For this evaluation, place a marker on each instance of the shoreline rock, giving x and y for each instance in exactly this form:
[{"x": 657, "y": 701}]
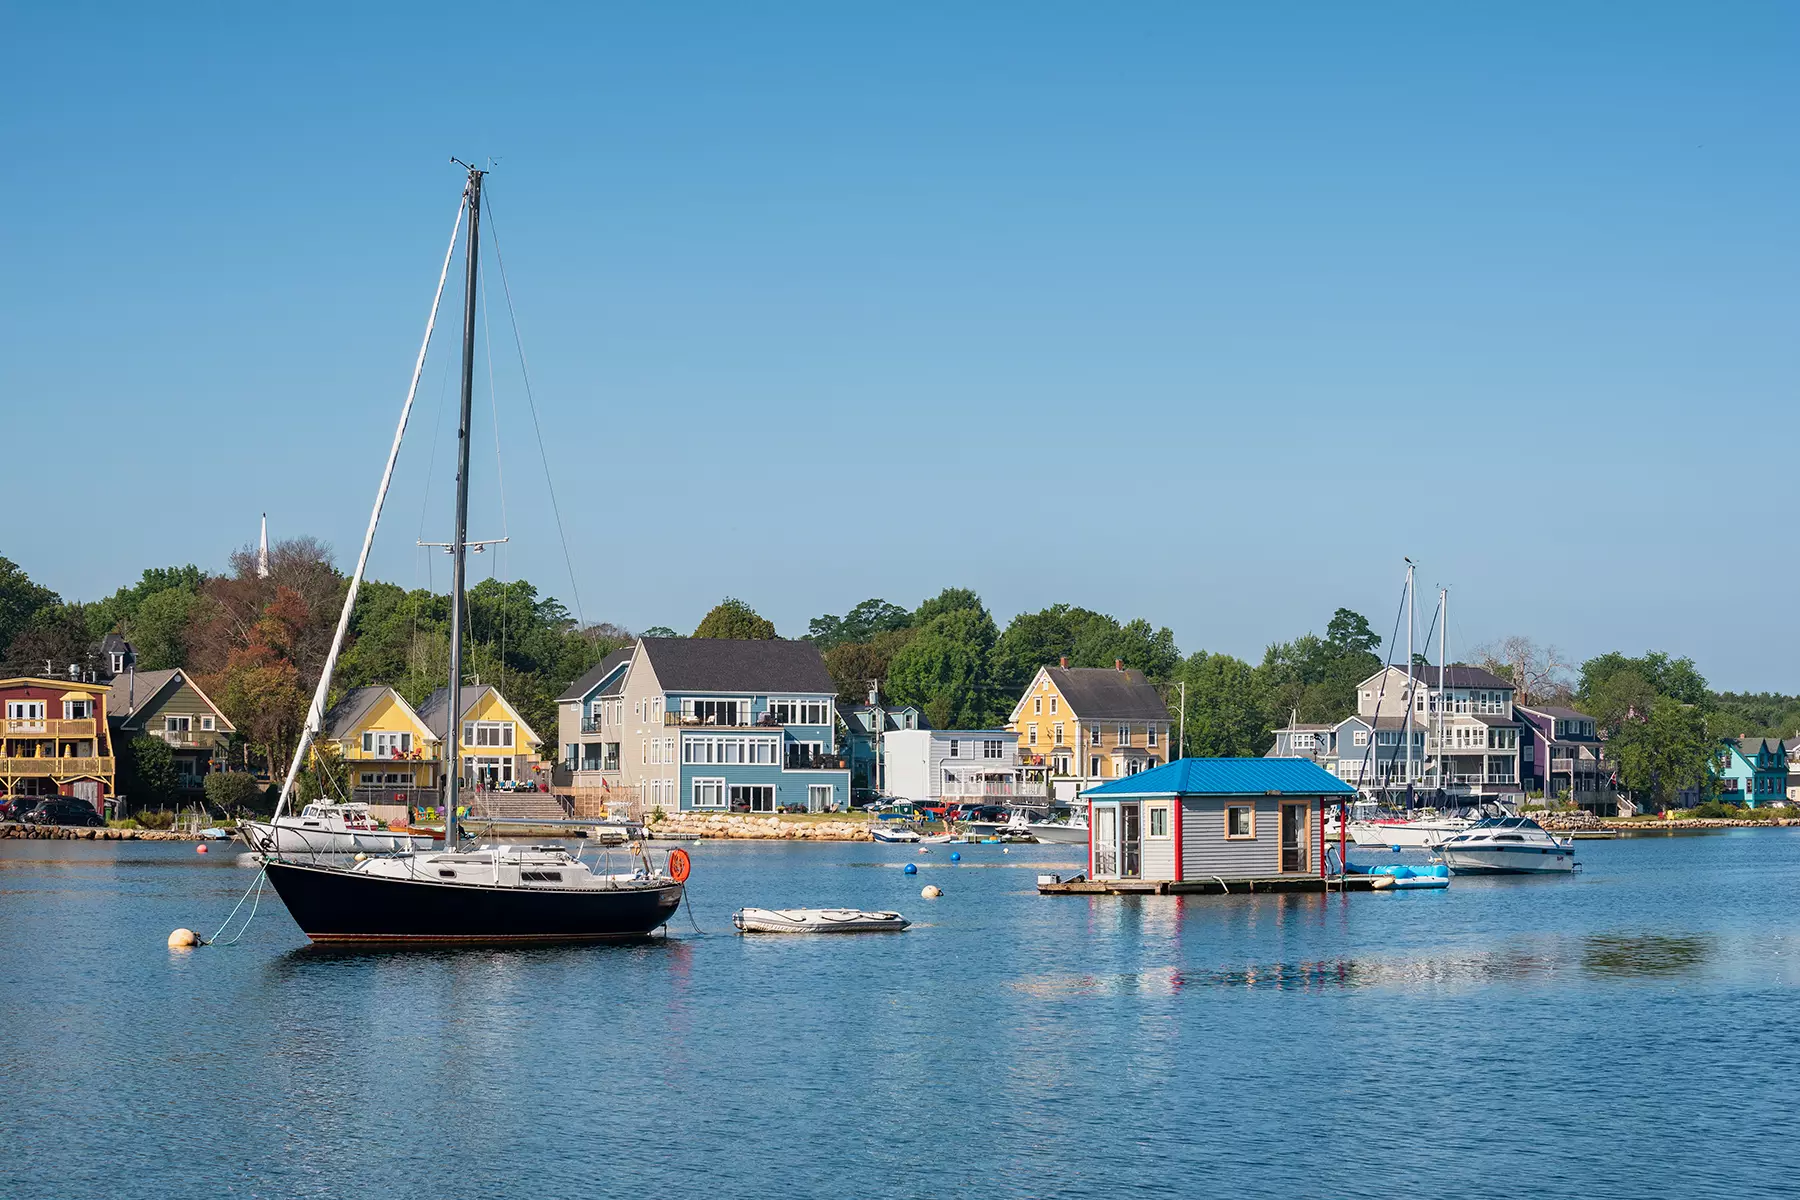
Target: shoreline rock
[
  {"x": 73, "y": 833},
  {"x": 738, "y": 826}
]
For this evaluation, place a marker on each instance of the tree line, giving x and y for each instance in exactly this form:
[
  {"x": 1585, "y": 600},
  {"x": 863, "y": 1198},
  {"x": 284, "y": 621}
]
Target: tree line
[{"x": 257, "y": 643}]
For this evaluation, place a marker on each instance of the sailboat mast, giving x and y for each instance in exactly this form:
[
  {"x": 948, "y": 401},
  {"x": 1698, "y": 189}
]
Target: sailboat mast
[
  {"x": 1406, "y": 720},
  {"x": 459, "y": 543},
  {"x": 1443, "y": 689}
]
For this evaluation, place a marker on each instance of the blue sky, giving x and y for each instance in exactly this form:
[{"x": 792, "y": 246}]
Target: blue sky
[{"x": 1202, "y": 313}]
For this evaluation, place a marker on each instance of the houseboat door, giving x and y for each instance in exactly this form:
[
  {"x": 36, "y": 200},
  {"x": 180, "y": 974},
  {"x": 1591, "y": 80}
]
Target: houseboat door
[
  {"x": 1294, "y": 840},
  {"x": 1131, "y": 841},
  {"x": 1106, "y": 841}
]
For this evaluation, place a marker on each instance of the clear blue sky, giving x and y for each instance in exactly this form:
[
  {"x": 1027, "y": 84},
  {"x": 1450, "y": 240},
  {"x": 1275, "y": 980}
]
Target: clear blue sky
[{"x": 1207, "y": 314}]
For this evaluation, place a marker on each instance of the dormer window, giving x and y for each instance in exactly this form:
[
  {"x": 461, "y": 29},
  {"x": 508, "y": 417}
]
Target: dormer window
[{"x": 118, "y": 662}]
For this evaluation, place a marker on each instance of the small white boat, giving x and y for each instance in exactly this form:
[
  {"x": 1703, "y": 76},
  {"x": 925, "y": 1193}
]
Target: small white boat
[
  {"x": 817, "y": 920},
  {"x": 1421, "y": 834},
  {"x": 892, "y": 833},
  {"x": 1070, "y": 832},
  {"x": 323, "y": 828},
  {"x": 1508, "y": 846}
]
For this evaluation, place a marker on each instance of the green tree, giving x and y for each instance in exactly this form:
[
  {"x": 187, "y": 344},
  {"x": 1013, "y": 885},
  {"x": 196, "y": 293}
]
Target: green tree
[
  {"x": 1349, "y": 633},
  {"x": 146, "y": 773},
  {"x": 659, "y": 631},
  {"x": 1664, "y": 752},
  {"x": 1225, "y": 715},
  {"x": 233, "y": 792},
  {"x": 158, "y": 628},
  {"x": 55, "y": 638},
  {"x": 947, "y": 601},
  {"x": 860, "y": 624},
  {"x": 1316, "y": 677},
  {"x": 732, "y": 618},
  {"x": 20, "y": 601},
  {"x": 854, "y": 664},
  {"x": 944, "y": 670}
]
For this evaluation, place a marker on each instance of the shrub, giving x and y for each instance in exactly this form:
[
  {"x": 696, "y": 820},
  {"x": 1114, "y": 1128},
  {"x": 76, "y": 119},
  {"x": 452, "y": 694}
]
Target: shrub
[
  {"x": 232, "y": 791},
  {"x": 160, "y": 819}
]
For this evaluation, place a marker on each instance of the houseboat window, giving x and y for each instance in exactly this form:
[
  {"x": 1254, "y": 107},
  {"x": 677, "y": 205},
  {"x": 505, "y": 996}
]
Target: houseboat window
[
  {"x": 1240, "y": 821},
  {"x": 1159, "y": 820},
  {"x": 993, "y": 749},
  {"x": 709, "y": 793}
]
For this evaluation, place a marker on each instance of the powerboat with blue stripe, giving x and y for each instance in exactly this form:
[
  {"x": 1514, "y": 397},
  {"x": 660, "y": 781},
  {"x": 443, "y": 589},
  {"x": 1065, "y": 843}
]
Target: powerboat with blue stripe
[{"x": 1507, "y": 846}]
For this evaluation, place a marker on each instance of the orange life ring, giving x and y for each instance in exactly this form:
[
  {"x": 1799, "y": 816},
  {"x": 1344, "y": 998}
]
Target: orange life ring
[{"x": 679, "y": 866}]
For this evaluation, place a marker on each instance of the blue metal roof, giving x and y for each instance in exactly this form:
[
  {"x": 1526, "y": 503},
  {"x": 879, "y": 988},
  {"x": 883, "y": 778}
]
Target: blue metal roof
[{"x": 1228, "y": 777}]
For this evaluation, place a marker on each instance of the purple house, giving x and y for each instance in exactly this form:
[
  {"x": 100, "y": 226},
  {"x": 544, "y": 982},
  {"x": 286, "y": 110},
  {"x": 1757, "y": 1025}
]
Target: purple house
[{"x": 1560, "y": 751}]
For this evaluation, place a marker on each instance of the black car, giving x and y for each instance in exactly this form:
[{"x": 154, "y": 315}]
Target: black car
[{"x": 61, "y": 810}]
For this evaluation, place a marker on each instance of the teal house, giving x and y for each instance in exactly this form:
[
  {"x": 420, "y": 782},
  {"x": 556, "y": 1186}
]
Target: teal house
[{"x": 1752, "y": 771}]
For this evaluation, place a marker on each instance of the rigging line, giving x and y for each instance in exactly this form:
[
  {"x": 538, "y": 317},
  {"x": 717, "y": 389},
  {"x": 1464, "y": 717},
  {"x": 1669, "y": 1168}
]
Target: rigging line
[
  {"x": 315, "y": 713},
  {"x": 531, "y": 401},
  {"x": 487, "y": 333},
  {"x": 1381, "y": 692}
]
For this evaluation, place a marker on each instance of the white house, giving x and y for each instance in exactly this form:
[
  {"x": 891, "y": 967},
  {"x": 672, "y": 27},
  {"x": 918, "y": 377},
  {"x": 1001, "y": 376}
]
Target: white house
[{"x": 978, "y": 766}]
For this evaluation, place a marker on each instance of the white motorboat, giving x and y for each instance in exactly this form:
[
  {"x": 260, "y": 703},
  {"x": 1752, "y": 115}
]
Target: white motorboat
[
  {"x": 324, "y": 828},
  {"x": 817, "y": 920},
  {"x": 1070, "y": 832},
  {"x": 1421, "y": 833},
  {"x": 1508, "y": 846},
  {"x": 892, "y": 833}
]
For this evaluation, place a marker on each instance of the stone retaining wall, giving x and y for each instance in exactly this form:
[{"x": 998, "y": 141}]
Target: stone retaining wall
[
  {"x": 737, "y": 825},
  {"x": 71, "y": 833}
]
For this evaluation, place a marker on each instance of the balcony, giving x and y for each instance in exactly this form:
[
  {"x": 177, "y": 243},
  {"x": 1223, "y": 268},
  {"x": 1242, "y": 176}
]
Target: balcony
[
  {"x": 816, "y": 762},
  {"x": 691, "y": 721},
  {"x": 53, "y": 768},
  {"x": 982, "y": 789},
  {"x": 590, "y": 724},
  {"x": 52, "y": 727}
]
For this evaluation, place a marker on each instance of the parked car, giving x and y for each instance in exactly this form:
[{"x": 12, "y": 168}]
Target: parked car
[
  {"x": 61, "y": 810},
  {"x": 12, "y": 806}
]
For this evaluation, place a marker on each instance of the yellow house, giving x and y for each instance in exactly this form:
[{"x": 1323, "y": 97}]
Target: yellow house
[
  {"x": 1085, "y": 725},
  {"x": 497, "y": 747},
  {"x": 388, "y": 751}
]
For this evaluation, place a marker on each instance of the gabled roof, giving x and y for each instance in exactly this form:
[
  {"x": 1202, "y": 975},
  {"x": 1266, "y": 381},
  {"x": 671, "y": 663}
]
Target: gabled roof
[
  {"x": 853, "y": 716},
  {"x": 348, "y": 713},
  {"x": 1107, "y": 694},
  {"x": 1228, "y": 777},
  {"x": 1561, "y": 714},
  {"x": 130, "y": 694},
  {"x": 1459, "y": 676},
  {"x": 600, "y": 670},
  {"x": 431, "y": 713},
  {"x": 737, "y": 665}
]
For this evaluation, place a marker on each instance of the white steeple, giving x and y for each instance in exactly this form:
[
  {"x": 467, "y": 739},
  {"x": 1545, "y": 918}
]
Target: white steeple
[{"x": 262, "y": 550}]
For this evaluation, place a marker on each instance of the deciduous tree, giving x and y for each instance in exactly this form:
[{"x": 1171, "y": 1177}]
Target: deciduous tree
[{"x": 732, "y": 618}]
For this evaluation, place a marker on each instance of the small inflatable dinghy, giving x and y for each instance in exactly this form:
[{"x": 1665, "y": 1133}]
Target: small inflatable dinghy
[{"x": 817, "y": 920}]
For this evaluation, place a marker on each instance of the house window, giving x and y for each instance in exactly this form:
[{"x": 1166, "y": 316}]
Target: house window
[
  {"x": 77, "y": 710},
  {"x": 206, "y": 723},
  {"x": 954, "y": 748},
  {"x": 24, "y": 710},
  {"x": 801, "y": 712},
  {"x": 1124, "y": 735},
  {"x": 1240, "y": 821},
  {"x": 487, "y": 733},
  {"x": 1031, "y": 735},
  {"x": 1304, "y": 741},
  {"x": 752, "y": 798},
  {"x": 709, "y": 793},
  {"x": 1037, "y": 706},
  {"x": 1360, "y": 737},
  {"x": 118, "y": 662},
  {"x": 1094, "y": 767},
  {"x": 1158, "y": 815},
  {"x": 1094, "y": 735},
  {"x": 1057, "y": 733},
  {"x": 1150, "y": 735},
  {"x": 818, "y": 797},
  {"x": 803, "y": 756},
  {"x": 1053, "y": 706},
  {"x": 177, "y": 724},
  {"x": 1060, "y": 763},
  {"x": 993, "y": 749},
  {"x": 384, "y": 745}
]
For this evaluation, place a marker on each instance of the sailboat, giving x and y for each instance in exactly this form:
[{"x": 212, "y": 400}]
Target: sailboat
[{"x": 459, "y": 894}]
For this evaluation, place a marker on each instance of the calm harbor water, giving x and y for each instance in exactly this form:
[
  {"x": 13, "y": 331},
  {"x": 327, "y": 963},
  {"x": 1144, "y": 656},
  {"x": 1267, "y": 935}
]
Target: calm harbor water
[{"x": 1633, "y": 1031}]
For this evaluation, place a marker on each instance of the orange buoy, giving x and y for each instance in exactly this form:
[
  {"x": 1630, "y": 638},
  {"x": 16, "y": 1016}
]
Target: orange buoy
[
  {"x": 679, "y": 866},
  {"x": 200, "y": 849}
]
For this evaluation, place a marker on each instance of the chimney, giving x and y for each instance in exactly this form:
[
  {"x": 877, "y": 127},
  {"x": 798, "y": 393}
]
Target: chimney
[
  {"x": 1064, "y": 662},
  {"x": 1118, "y": 664}
]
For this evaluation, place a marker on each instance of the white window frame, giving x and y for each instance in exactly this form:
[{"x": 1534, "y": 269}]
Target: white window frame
[
  {"x": 1056, "y": 732},
  {"x": 713, "y": 788},
  {"x": 177, "y": 723},
  {"x": 955, "y": 748},
  {"x": 25, "y": 710},
  {"x": 1359, "y": 737},
  {"x": 1151, "y": 813},
  {"x": 1053, "y": 706},
  {"x": 993, "y": 748},
  {"x": 475, "y": 731},
  {"x": 1149, "y": 735},
  {"x": 1031, "y": 735},
  {"x": 1124, "y": 738},
  {"x": 813, "y": 802}
]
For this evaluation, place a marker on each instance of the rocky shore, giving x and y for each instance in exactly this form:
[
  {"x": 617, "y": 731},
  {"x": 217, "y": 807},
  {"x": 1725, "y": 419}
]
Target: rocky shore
[
  {"x": 71, "y": 833},
  {"x": 737, "y": 825},
  {"x": 1582, "y": 821}
]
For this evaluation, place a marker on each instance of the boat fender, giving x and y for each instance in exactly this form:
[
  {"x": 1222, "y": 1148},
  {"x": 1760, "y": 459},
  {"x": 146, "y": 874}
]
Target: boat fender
[
  {"x": 362, "y": 858},
  {"x": 909, "y": 869},
  {"x": 956, "y": 856},
  {"x": 200, "y": 849},
  {"x": 931, "y": 891},
  {"x": 679, "y": 865},
  {"x": 183, "y": 939},
  {"x": 1381, "y": 882}
]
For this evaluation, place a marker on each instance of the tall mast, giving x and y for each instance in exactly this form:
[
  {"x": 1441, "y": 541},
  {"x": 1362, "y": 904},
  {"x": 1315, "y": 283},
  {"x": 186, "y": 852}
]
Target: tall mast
[
  {"x": 1406, "y": 721},
  {"x": 1443, "y": 690},
  {"x": 459, "y": 543}
]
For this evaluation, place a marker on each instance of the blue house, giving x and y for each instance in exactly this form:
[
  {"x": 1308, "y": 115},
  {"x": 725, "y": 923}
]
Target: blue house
[
  {"x": 1752, "y": 771},
  {"x": 862, "y": 726},
  {"x": 711, "y": 724},
  {"x": 1220, "y": 819}
]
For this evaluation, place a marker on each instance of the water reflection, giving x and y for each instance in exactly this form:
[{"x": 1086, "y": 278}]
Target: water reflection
[{"x": 1628, "y": 955}]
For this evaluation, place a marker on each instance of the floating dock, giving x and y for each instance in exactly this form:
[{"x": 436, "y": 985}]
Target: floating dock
[{"x": 1205, "y": 887}]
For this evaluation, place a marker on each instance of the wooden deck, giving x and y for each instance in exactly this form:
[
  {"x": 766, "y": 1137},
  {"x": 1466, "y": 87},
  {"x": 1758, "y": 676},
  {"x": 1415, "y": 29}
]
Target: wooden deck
[{"x": 1205, "y": 887}]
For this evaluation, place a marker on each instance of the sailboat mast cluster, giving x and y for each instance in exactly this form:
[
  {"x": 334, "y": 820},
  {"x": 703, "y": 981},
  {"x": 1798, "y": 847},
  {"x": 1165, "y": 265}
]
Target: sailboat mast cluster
[{"x": 459, "y": 547}]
